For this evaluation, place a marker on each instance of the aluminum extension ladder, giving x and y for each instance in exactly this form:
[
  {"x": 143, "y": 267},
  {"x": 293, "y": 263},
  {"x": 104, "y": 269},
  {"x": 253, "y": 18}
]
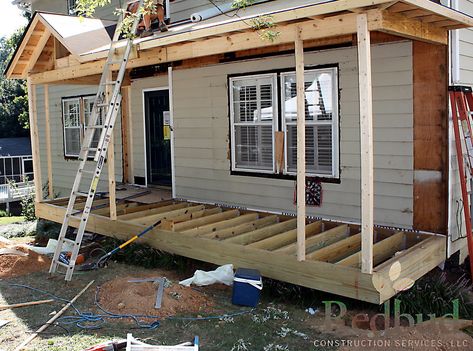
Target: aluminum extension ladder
[
  {"x": 107, "y": 106},
  {"x": 461, "y": 105}
]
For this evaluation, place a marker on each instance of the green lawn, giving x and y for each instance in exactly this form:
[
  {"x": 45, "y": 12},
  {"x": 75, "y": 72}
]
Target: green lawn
[{"x": 10, "y": 220}]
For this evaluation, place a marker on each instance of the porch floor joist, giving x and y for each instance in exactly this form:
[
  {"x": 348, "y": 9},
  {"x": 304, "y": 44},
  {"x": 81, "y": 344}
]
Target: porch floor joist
[{"x": 267, "y": 242}]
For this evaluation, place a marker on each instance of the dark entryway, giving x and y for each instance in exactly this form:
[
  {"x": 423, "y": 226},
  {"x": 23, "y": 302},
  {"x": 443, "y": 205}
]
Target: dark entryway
[{"x": 158, "y": 137}]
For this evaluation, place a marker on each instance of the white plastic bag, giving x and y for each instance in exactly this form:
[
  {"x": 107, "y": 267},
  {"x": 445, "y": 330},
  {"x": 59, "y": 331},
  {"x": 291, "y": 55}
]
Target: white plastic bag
[
  {"x": 50, "y": 248},
  {"x": 223, "y": 274}
]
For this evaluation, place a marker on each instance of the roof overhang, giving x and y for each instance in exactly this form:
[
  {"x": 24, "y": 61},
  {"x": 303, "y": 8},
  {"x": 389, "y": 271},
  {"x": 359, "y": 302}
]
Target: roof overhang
[
  {"x": 76, "y": 35},
  {"x": 414, "y": 19}
]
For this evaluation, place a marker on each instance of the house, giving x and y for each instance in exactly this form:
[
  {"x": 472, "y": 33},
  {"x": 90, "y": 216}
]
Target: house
[
  {"x": 209, "y": 111},
  {"x": 16, "y": 169}
]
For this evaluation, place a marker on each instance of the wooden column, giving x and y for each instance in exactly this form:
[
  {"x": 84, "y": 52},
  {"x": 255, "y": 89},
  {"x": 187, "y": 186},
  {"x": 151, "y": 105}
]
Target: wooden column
[
  {"x": 126, "y": 133},
  {"x": 111, "y": 161},
  {"x": 48, "y": 142},
  {"x": 366, "y": 141},
  {"x": 33, "y": 118},
  {"x": 301, "y": 208}
]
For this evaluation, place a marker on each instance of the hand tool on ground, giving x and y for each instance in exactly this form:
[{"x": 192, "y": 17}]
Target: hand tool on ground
[
  {"x": 103, "y": 260},
  {"x": 24, "y": 304}
]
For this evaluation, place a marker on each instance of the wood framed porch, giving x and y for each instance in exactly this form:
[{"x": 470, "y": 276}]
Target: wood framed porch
[{"x": 268, "y": 242}]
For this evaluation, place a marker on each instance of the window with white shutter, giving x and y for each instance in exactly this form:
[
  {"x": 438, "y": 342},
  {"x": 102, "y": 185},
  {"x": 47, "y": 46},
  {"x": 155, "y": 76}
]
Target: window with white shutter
[
  {"x": 72, "y": 126},
  {"x": 76, "y": 113},
  {"x": 321, "y": 110},
  {"x": 253, "y": 119}
]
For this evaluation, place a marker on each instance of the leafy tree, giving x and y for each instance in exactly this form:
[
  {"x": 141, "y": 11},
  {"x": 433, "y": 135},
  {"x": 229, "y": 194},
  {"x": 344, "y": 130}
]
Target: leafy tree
[{"x": 13, "y": 93}]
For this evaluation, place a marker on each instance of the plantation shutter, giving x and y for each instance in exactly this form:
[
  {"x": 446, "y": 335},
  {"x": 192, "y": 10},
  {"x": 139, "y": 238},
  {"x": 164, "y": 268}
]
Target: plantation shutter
[
  {"x": 321, "y": 101},
  {"x": 254, "y": 112},
  {"x": 88, "y": 106},
  {"x": 72, "y": 126}
]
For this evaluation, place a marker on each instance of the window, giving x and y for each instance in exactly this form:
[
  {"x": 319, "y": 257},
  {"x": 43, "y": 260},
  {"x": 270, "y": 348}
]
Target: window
[
  {"x": 71, "y": 7},
  {"x": 253, "y": 113},
  {"x": 255, "y": 118},
  {"x": 321, "y": 110},
  {"x": 76, "y": 114}
]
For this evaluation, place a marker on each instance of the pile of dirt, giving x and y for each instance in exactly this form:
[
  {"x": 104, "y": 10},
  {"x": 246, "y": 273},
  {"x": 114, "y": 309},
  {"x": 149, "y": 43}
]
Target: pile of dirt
[
  {"x": 121, "y": 297},
  {"x": 14, "y": 265}
]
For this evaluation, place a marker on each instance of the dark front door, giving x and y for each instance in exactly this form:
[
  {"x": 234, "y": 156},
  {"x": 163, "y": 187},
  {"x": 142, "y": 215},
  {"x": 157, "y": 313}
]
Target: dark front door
[{"x": 158, "y": 137}]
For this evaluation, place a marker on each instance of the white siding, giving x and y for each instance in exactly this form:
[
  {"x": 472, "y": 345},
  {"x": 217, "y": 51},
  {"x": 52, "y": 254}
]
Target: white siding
[
  {"x": 201, "y": 125},
  {"x": 64, "y": 170}
]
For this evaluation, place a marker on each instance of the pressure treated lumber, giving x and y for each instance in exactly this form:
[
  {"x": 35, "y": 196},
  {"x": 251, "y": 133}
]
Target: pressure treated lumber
[
  {"x": 382, "y": 250},
  {"x": 213, "y": 227},
  {"x": 33, "y": 119},
  {"x": 148, "y": 220},
  {"x": 300, "y": 84},
  {"x": 338, "y": 250},
  {"x": 242, "y": 228},
  {"x": 153, "y": 210},
  {"x": 287, "y": 238},
  {"x": 168, "y": 224},
  {"x": 366, "y": 142},
  {"x": 51, "y": 321},
  {"x": 206, "y": 220},
  {"x": 318, "y": 241},
  {"x": 143, "y": 207},
  {"x": 263, "y": 233},
  {"x": 112, "y": 191},
  {"x": 47, "y": 129}
]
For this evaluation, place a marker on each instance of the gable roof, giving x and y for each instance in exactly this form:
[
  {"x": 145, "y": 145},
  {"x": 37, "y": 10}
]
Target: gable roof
[
  {"x": 15, "y": 146},
  {"x": 77, "y": 35}
]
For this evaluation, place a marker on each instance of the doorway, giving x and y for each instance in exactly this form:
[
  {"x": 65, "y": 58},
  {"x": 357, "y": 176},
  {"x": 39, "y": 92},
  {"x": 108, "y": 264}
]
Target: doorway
[{"x": 158, "y": 138}]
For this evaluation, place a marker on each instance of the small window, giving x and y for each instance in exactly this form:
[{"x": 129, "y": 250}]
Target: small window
[
  {"x": 253, "y": 120},
  {"x": 76, "y": 115},
  {"x": 321, "y": 110},
  {"x": 72, "y": 126}
]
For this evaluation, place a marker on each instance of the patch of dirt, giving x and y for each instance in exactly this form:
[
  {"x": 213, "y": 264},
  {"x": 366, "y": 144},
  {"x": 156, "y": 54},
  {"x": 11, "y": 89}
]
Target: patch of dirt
[
  {"x": 121, "y": 297},
  {"x": 13, "y": 265}
]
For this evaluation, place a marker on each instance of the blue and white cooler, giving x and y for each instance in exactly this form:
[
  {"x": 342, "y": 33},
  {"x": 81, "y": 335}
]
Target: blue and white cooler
[{"x": 247, "y": 286}]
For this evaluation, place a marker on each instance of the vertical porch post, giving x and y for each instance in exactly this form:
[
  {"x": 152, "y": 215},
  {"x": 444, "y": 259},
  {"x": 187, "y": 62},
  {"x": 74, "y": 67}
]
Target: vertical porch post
[
  {"x": 48, "y": 142},
  {"x": 33, "y": 119},
  {"x": 171, "y": 111},
  {"x": 111, "y": 161},
  {"x": 366, "y": 142},
  {"x": 301, "y": 208}
]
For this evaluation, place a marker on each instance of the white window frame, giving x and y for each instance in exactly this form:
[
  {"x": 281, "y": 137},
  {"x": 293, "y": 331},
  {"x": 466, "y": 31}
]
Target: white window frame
[
  {"x": 334, "y": 123},
  {"x": 274, "y": 78},
  {"x": 64, "y": 101}
]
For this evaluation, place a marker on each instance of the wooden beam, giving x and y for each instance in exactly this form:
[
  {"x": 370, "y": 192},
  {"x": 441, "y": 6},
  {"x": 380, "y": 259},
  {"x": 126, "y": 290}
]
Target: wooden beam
[
  {"x": 287, "y": 238},
  {"x": 168, "y": 224},
  {"x": 143, "y": 207},
  {"x": 366, "y": 138},
  {"x": 398, "y": 24},
  {"x": 38, "y": 50},
  {"x": 263, "y": 233},
  {"x": 213, "y": 227},
  {"x": 338, "y": 250},
  {"x": 33, "y": 119},
  {"x": 401, "y": 271},
  {"x": 112, "y": 195},
  {"x": 318, "y": 241},
  {"x": 156, "y": 209},
  {"x": 382, "y": 250},
  {"x": 242, "y": 228},
  {"x": 179, "y": 227},
  {"x": 47, "y": 129},
  {"x": 301, "y": 208},
  {"x": 126, "y": 125},
  {"x": 148, "y": 220}
]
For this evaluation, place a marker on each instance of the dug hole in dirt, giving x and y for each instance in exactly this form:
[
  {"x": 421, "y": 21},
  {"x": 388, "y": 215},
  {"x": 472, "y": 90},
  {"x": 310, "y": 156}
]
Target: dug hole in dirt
[
  {"x": 14, "y": 265},
  {"x": 121, "y": 297}
]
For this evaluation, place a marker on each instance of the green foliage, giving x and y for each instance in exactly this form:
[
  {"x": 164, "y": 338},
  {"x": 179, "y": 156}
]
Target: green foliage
[
  {"x": 27, "y": 203},
  {"x": 86, "y": 8},
  {"x": 4, "y": 213},
  {"x": 241, "y": 4},
  {"x": 435, "y": 294},
  {"x": 265, "y": 26},
  {"x": 13, "y": 93}
]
